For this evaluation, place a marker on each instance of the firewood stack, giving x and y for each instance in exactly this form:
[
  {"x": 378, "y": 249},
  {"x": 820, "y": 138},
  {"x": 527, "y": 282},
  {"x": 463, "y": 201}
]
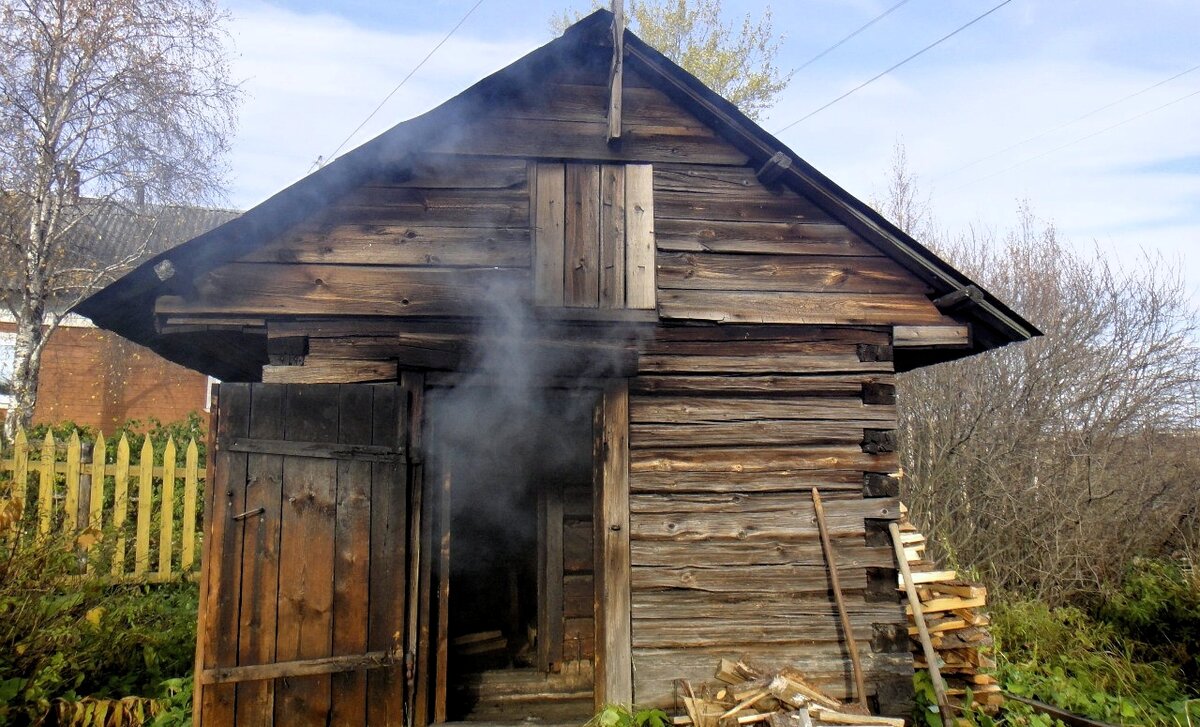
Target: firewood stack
[
  {"x": 953, "y": 610},
  {"x": 780, "y": 698}
]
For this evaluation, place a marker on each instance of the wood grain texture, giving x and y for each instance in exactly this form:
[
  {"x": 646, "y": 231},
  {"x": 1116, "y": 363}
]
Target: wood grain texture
[
  {"x": 765, "y": 238},
  {"x": 581, "y": 286},
  {"x": 245, "y": 288},
  {"x": 306, "y": 556},
  {"x": 736, "y": 306},
  {"x": 549, "y": 233},
  {"x": 640, "y": 219},
  {"x": 785, "y": 273},
  {"x": 612, "y": 236},
  {"x": 260, "y": 557},
  {"x": 614, "y": 683}
]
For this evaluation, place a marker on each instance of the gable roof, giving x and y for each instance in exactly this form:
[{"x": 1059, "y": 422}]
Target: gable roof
[{"x": 127, "y": 306}]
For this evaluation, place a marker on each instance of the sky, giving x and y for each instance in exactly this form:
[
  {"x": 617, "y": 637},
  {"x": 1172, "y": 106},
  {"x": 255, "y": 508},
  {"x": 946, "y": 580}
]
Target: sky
[{"x": 988, "y": 119}]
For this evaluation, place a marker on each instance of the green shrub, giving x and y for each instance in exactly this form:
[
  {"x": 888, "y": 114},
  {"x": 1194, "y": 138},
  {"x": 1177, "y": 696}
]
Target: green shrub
[
  {"x": 1068, "y": 658},
  {"x": 1156, "y": 608},
  {"x": 65, "y": 638}
]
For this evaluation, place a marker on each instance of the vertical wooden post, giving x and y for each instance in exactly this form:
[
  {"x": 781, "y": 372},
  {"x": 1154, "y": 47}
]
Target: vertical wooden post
[
  {"x": 617, "y": 73},
  {"x": 614, "y": 642},
  {"x": 71, "y": 496},
  {"x": 141, "y": 543},
  {"x": 95, "y": 505},
  {"x": 209, "y": 499},
  {"x": 120, "y": 505},
  {"x": 46, "y": 485},
  {"x": 443, "y": 630},
  {"x": 191, "y": 464},
  {"x": 166, "y": 532},
  {"x": 20, "y": 472}
]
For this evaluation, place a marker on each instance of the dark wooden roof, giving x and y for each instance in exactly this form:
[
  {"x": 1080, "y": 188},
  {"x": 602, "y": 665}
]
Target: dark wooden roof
[{"x": 127, "y": 306}]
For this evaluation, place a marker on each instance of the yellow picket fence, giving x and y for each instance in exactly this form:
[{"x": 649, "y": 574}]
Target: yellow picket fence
[{"x": 71, "y": 488}]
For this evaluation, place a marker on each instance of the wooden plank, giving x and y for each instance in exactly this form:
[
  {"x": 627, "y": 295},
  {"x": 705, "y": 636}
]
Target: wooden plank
[
  {"x": 421, "y": 708},
  {"x": 314, "y": 289},
  {"x": 721, "y": 522},
  {"x": 45, "y": 511},
  {"x": 316, "y": 371},
  {"x": 395, "y": 415},
  {"x": 695, "y": 410},
  {"x": 306, "y": 555},
  {"x": 931, "y": 336},
  {"x": 747, "y": 433},
  {"x": 490, "y": 134},
  {"x": 352, "y": 553},
  {"x": 442, "y": 659},
  {"x": 639, "y": 237},
  {"x": 141, "y": 546},
  {"x": 259, "y": 562},
  {"x": 612, "y": 236},
  {"x": 582, "y": 254},
  {"x": 804, "y": 608},
  {"x": 550, "y": 598},
  {"x": 71, "y": 495},
  {"x": 431, "y": 207},
  {"x": 353, "y": 450},
  {"x": 455, "y": 171},
  {"x": 785, "y": 273},
  {"x": 739, "y": 460},
  {"x": 549, "y": 233},
  {"x": 344, "y": 242},
  {"x": 191, "y": 467},
  {"x": 221, "y": 564},
  {"x": 777, "y": 384},
  {"x": 613, "y": 582},
  {"x": 764, "y": 238},
  {"x": 20, "y": 469},
  {"x": 765, "y": 363},
  {"x": 731, "y": 306},
  {"x": 121, "y": 504},
  {"x": 96, "y": 500},
  {"x": 293, "y": 669},
  {"x": 166, "y": 532},
  {"x": 722, "y": 553},
  {"x": 750, "y": 205},
  {"x": 840, "y": 476},
  {"x": 735, "y": 631}
]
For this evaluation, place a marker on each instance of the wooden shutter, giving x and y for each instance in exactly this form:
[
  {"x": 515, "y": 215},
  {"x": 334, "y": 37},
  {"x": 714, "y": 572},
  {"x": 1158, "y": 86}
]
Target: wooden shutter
[
  {"x": 304, "y": 585},
  {"x": 593, "y": 234}
]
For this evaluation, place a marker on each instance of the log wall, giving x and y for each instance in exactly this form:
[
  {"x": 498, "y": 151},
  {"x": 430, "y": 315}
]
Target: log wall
[{"x": 730, "y": 429}]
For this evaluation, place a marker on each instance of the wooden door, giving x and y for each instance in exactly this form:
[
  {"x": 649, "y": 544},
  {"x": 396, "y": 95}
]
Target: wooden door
[{"x": 304, "y": 584}]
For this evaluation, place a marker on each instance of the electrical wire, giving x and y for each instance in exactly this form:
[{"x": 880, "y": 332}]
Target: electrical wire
[
  {"x": 399, "y": 85},
  {"x": 1060, "y": 127},
  {"x": 838, "y": 44},
  {"x": 875, "y": 78},
  {"x": 1085, "y": 138}
]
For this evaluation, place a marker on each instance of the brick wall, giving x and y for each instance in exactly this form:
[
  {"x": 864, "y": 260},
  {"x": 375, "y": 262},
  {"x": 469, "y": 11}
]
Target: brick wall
[{"x": 94, "y": 377}]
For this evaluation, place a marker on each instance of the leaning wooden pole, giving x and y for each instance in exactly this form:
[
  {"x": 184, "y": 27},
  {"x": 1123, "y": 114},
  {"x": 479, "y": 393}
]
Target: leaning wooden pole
[
  {"x": 914, "y": 602},
  {"x": 860, "y": 687},
  {"x": 617, "y": 72}
]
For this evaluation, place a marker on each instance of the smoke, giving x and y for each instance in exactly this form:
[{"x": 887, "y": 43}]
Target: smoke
[{"x": 519, "y": 419}]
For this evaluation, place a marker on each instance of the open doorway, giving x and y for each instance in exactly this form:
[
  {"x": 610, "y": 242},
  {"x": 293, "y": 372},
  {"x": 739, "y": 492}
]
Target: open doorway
[{"x": 515, "y": 574}]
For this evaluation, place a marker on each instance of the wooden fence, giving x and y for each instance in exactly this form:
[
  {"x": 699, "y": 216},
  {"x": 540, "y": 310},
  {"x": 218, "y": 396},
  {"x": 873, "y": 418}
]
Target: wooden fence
[{"x": 133, "y": 519}]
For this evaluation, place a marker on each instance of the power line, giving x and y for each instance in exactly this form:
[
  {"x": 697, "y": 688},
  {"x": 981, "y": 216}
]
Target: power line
[
  {"x": 1085, "y": 138},
  {"x": 1060, "y": 127},
  {"x": 873, "y": 79},
  {"x": 838, "y": 44},
  {"x": 399, "y": 85}
]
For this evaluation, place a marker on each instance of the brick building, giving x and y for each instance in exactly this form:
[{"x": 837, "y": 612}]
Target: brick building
[{"x": 93, "y": 377}]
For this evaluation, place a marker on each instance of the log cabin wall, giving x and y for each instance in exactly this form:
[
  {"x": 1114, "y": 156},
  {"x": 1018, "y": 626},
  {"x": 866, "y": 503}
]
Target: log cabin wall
[{"x": 730, "y": 428}]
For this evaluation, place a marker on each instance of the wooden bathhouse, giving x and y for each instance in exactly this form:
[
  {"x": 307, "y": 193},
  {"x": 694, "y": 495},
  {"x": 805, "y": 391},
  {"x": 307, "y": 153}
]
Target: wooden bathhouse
[{"x": 524, "y": 401}]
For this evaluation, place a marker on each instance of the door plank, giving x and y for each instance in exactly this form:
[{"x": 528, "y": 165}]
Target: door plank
[
  {"x": 305, "y": 626},
  {"x": 260, "y": 556}
]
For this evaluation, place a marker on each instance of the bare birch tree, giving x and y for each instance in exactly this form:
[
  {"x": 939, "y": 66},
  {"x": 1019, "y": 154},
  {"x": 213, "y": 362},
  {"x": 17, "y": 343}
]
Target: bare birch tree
[{"x": 110, "y": 100}]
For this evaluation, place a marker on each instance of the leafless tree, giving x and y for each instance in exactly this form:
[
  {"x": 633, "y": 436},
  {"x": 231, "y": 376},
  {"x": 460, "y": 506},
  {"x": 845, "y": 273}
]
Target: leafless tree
[
  {"x": 1048, "y": 465},
  {"x": 102, "y": 105}
]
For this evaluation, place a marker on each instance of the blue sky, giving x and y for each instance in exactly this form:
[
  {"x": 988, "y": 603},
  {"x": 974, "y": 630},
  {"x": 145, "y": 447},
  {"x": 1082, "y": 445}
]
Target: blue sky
[{"x": 313, "y": 70}]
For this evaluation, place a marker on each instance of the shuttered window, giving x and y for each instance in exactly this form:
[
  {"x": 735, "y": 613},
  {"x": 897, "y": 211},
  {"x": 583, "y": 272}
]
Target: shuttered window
[{"x": 593, "y": 235}]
